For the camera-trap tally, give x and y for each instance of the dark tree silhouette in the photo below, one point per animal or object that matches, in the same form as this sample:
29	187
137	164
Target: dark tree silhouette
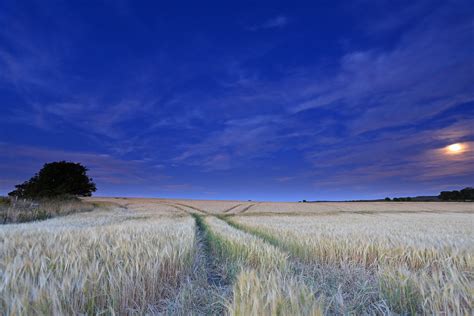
56	179
449	195
466	194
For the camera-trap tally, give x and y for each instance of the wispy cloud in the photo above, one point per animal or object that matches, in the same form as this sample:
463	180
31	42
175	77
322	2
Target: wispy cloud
391	93
403	84
410	156
344	118
240	141
273	23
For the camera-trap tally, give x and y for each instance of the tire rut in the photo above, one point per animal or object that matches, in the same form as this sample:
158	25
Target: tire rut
245	209
233	207
205	291
192	207
178	208
213	277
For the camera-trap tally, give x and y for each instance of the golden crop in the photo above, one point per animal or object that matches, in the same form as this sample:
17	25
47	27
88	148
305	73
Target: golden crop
161	256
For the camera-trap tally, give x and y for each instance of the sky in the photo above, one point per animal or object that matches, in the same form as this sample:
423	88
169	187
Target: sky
283	101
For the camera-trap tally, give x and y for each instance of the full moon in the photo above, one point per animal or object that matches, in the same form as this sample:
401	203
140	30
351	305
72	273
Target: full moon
454	148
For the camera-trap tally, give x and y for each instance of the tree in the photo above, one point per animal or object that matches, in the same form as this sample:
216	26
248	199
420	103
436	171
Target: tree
56	179
450	195
466	194
387	199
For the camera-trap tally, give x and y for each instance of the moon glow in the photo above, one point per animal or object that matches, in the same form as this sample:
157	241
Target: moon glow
454	149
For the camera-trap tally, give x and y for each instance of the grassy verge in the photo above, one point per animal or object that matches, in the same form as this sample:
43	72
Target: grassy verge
21	211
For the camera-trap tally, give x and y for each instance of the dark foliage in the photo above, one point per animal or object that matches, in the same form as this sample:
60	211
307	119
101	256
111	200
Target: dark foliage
403	199
466	194
56	179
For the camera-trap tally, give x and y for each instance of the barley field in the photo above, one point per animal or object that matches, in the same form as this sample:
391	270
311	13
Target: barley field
181	257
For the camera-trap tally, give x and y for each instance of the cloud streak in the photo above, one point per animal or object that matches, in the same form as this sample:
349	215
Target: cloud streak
277	22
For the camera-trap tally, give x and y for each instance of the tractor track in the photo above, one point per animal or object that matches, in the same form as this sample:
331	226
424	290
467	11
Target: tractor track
182	210
192	207
213	277
245	209
233	207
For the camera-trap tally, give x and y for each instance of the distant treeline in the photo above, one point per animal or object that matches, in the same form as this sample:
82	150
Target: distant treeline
466	194
413	199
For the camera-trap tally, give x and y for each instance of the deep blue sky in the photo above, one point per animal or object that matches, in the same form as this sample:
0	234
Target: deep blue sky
275	101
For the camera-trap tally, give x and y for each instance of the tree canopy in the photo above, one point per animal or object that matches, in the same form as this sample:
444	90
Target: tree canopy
466	194
56	179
